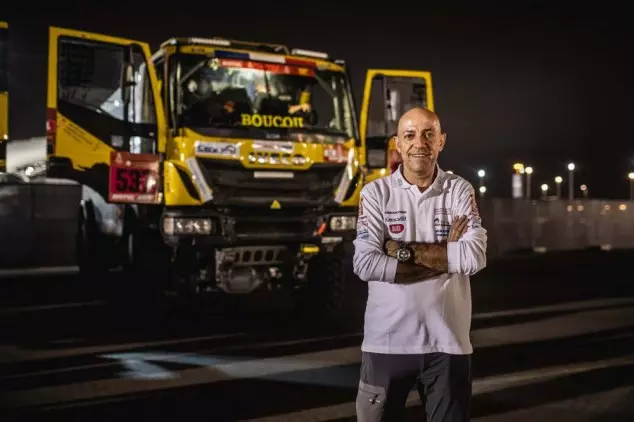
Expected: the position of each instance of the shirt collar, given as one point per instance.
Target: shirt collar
(398, 181)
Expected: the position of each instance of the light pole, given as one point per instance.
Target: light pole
(481, 174)
(544, 191)
(529, 171)
(558, 181)
(571, 179)
(631, 177)
(482, 190)
(584, 189)
(516, 183)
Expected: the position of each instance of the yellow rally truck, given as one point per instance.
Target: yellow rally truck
(230, 166)
(4, 92)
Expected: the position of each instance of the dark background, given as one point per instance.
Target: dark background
(541, 82)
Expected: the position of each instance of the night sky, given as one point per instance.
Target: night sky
(539, 84)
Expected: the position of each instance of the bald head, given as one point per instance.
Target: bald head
(419, 140)
(417, 114)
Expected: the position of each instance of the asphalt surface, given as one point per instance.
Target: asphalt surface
(553, 337)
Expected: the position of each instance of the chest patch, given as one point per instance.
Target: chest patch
(396, 228)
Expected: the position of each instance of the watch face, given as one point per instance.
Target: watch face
(403, 254)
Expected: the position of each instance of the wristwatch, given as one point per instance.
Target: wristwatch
(404, 253)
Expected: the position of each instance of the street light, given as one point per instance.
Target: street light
(571, 178)
(558, 181)
(516, 181)
(631, 177)
(544, 190)
(529, 171)
(481, 174)
(449, 172)
(584, 189)
(482, 190)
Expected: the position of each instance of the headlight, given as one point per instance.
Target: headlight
(187, 226)
(343, 222)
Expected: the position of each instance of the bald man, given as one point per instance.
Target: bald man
(419, 238)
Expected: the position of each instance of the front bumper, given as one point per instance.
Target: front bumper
(248, 226)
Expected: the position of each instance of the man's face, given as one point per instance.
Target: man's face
(420, 141)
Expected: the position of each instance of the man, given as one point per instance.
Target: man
(418, 313)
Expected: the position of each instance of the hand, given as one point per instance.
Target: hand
(458, 228)
(390, 247)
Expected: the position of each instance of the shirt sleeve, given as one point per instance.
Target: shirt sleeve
(370, 262)
(468, 255)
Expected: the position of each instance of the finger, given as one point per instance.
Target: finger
(461, 227)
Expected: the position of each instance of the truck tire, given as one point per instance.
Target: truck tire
(334, 295)
(89, 253)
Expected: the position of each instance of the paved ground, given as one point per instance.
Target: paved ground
(553, 339)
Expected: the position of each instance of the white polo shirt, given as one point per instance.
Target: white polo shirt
(432, 315)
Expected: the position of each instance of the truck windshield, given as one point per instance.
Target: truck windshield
(232, 93)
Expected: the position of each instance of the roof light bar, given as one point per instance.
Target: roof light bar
(210, 41)
(309, 53)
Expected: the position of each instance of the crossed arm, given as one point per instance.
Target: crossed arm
(375, 261)
(430, 260)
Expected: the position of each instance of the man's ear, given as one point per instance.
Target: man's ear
(443, 139)
(397, 143)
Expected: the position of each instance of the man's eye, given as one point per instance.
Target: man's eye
(429, 135)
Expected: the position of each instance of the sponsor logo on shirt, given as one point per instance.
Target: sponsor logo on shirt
(397, 228)
(362, 233)
(402, 218)
(362, 228)
(441, 211)
(396, 212)
(441, 227)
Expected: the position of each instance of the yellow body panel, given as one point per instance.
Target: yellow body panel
(373, 174)
(184, 147)
(83, 148)
(74, 142)
(174, 190)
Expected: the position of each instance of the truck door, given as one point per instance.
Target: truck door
(388, 93)
(105, 122)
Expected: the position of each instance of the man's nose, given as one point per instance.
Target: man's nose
(419, 142)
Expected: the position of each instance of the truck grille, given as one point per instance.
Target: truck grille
(232, 184)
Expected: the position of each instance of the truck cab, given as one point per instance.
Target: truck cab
(239, 163)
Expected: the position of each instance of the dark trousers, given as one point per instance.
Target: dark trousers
(443, 382)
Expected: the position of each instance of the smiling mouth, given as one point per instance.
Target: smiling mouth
(420, 155)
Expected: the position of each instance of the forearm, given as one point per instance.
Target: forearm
(410, 273)
(431, 255)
